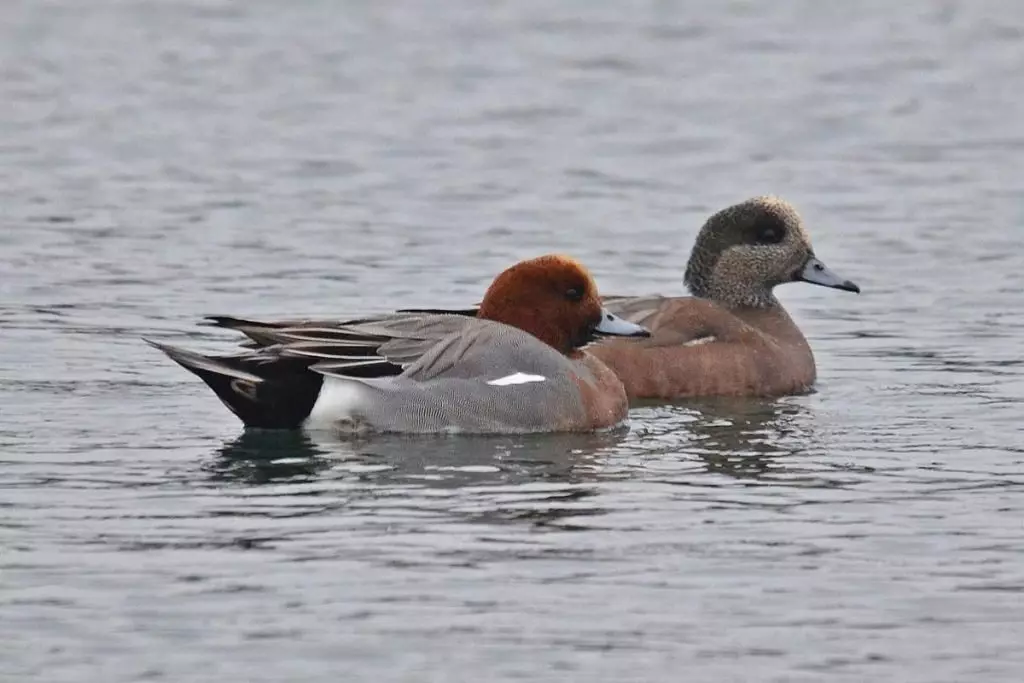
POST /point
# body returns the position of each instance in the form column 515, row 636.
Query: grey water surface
column 161, row 160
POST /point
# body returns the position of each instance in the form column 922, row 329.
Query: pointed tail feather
column 259, row 333
column 233, row 323
column 272, row 395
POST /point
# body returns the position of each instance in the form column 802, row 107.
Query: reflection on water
column 266, row 457
column 739, row 437
column 260, row 456
column 751, row 438
column 539, row 480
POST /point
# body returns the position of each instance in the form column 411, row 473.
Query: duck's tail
column 268, row 392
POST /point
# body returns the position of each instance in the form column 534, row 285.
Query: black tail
column 269, row 392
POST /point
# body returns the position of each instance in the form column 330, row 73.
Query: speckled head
column 555, row 299
column 744, row 251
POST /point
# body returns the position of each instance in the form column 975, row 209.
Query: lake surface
column 167, row 160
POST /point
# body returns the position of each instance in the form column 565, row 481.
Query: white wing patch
column 700, row 341
column 517, row 378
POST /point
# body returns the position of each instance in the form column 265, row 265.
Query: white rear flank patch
column 700, row 341
column 517, row 378
column 338, row 398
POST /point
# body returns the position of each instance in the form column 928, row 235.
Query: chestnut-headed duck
column 732, row 337
column 518, row 366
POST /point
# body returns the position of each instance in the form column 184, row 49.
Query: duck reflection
column 264, row 457
column 744, row 438
column 259, row 456
column 541, row 480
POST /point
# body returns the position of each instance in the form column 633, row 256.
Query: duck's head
column 555, row 299
column 744, row 251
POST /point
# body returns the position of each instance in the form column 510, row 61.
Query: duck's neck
column 756, row 307
column 530, row 320
column 733, row 297
column 772, row 320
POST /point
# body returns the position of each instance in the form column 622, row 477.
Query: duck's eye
column 574, row 294
column 769, row 230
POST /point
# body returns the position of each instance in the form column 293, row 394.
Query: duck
column 732, row 337
column 518, row 364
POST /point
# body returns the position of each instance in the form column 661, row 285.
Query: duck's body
column 518, row 368
column 698, row 348
column 733, row 337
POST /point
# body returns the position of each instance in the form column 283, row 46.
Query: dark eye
column 769, row 230
column 574, row 294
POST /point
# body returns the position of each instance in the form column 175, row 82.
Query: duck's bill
column 614, row 326
column 817, row 273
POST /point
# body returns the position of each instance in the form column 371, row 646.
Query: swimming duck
column 517, row 365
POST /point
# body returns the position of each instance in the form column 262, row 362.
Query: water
column 163, row 160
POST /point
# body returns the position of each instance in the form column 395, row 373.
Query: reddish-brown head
column 555, row 299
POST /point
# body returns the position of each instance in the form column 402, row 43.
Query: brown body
column 605, row 399
column 698, row 348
